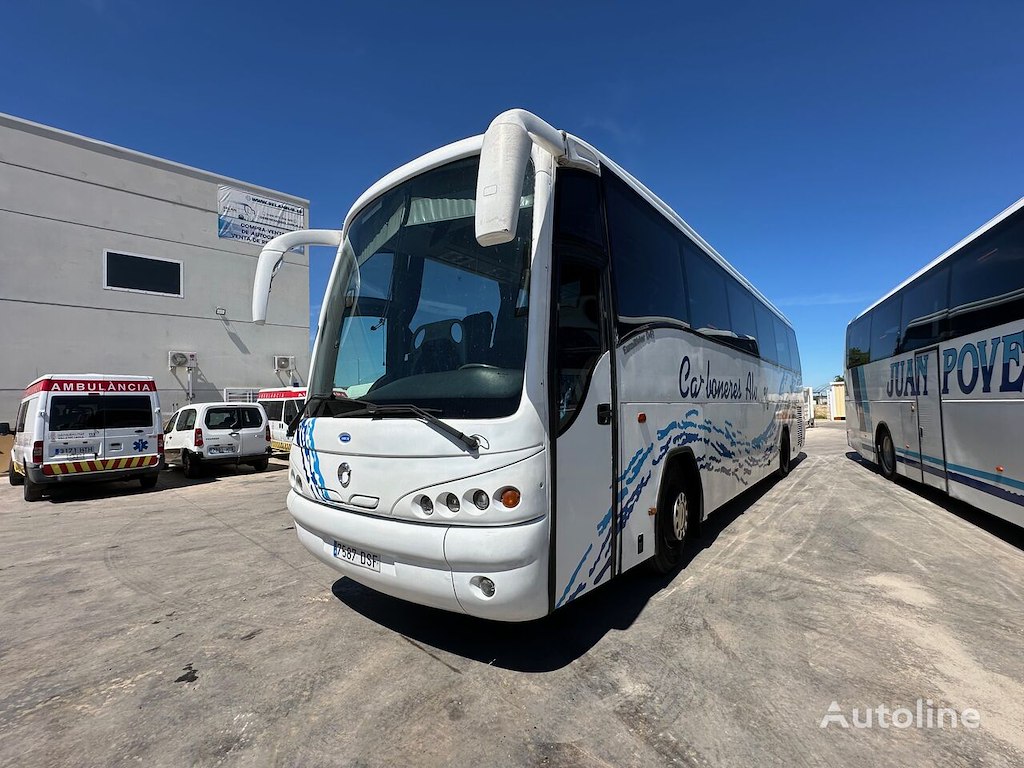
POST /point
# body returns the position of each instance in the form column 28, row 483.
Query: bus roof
column 468, row 147
column 946, row 254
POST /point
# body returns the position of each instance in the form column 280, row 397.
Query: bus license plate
column 368, row 560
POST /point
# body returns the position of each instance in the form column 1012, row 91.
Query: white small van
column 205, row 434
column 86, row 427
column 281, row 404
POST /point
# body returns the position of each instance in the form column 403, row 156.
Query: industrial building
column 114, row 261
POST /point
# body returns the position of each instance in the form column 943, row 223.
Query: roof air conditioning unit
column 178, row 359
column 284, row 363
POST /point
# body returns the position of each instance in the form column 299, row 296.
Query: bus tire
column 672, row 525
column 885, row 453
column 32, row 491
column 785, row 459
column 260, row 465
column 148, row 482
column 189, row 465
column 13, row 476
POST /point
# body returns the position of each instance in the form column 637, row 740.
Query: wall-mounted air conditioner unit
column 178, row 359
column 284, row 363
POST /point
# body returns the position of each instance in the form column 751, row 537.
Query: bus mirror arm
column 272, row 257
column 503, row 159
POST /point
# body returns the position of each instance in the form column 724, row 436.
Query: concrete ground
column 187, row 626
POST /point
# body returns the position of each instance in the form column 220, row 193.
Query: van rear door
column 129, row 426
column 74, row 428
column 221, row 430
column 252, row 430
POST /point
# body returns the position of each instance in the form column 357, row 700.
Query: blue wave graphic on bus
column 725, row 450
column 311, row 459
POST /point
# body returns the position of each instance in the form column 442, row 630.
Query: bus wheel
column 148, row 482
column 33, row 491
column 189, row 465
column 671, row 527
column 784, row 457
column 13, row 476
column 886, row 452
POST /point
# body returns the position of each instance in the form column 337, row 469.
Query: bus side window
column 924, row 316
column 647, row 261
column 986, row 288
column 578, row 338
column 858, row 342
column 885, row 328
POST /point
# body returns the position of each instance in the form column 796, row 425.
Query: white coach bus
column 559, row 379
column 934, row 372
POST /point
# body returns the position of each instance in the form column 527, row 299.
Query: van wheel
column 13, row 476
column 148, row 482
column 189, row 465
column 261, row 465
column 886, row 453
column 33, row 491
column 671, row 527
column 784, row 455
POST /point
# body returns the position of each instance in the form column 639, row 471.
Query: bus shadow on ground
column 170, row 479
column 554, row 641
column 1001, row 529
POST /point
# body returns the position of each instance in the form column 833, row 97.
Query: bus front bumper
column 436, row 565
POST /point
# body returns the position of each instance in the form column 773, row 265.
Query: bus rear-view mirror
column 499, row 185
column 272, row 257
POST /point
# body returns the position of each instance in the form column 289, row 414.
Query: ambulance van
column 281, row 405
column 87, row 427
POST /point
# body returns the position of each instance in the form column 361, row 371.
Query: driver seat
column 437, row 350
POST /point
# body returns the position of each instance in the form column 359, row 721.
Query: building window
column 142, row 274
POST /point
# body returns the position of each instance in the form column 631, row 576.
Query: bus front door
column 584, row 528
column 929, row 418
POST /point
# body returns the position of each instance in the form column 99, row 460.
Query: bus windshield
column 433, row 319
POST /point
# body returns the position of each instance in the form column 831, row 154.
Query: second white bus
column 559, row 379
column 935, row 372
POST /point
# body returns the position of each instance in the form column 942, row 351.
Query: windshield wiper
column 472, row 442
column 383, row 411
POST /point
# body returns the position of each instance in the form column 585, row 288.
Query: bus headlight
column 481, row 500
column 452, row 502
column 426, row 505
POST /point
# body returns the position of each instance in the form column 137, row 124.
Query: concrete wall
column 63, row 200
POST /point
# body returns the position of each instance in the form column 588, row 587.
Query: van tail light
column 160, row 443
column 37, row 452
column 266, row 434
column 199, row 438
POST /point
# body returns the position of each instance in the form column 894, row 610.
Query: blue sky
column 827, row 150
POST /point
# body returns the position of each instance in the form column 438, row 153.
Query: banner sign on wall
column 243, row 215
